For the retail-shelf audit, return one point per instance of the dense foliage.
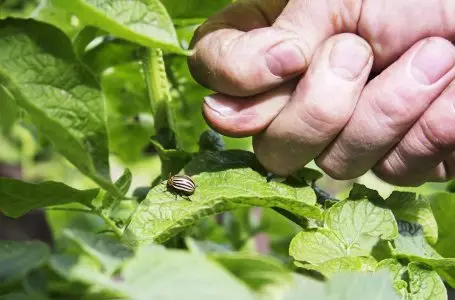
(91, 90)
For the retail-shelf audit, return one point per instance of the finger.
(320, 106)
(386, 25)
(247, 116)
(241, 58)
(430, 141)
(389, 106)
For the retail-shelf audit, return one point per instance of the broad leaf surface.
(407, 207)
(425, 284)
(258, 272)
(361, 223)
(376, 286)
(340, 265)
(194, 9)
(145, 22)
(108, 252)
(443, 206)
(38, 66)
(411, 244)
(17, 259)
(156, 273)
(317, 246)
(163, 214)
(19, 197)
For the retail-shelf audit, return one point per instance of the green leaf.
(83, 269)
(19, 197)
(258, 272)
(154, 273)
(38, 66)
(8, 110)
(304, 287)
(425, 284)
(407, 207)
(443, 206)
(377, 286)
(361, 224)
(162, 214)
(398, 273)
(412, 245)
(317, 246)
(342, 264)
(191, 9)
(145, 22)
(17, 259)
(47, 12)
(129, 118)
(107, 251)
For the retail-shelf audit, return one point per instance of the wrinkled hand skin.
(354, 85)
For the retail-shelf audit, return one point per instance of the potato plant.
(95, 94)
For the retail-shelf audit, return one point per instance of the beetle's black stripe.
(182, 184)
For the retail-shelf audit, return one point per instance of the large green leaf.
(412, 245)
(407, 207)
(83, 269)
(443, 206)
(375, 286)
(225, 181)
(397, 272)
(17, 259)
(194, 9)
(47, 12)
(107, 251)
(129, 119)
(145, 22)
(19, 197)
(425, 284)
(262, 274)
(156, 273)
(38, 66)
(361, 223)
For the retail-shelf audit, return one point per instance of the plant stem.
(118, 232)
(70, 209)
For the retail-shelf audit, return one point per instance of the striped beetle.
(181, 185)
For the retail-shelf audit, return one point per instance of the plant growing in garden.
(85, 85)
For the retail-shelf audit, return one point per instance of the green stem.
(69, 209)
(118, 232)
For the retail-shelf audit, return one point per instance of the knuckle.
(323, 120)
(437, 135)
(393, 109)
(392, 169)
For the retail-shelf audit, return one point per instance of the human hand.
(402, 123)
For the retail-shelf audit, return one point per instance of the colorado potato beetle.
(181, 184)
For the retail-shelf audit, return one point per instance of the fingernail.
(216, 103)
(285, 59)
(432, 61)
(348, 58)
